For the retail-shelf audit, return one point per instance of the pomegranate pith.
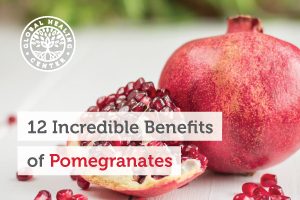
(142, 96)
(254, 80)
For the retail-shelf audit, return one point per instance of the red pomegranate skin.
(254, 80)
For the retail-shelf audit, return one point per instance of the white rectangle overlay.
(120, 126)
(99, 160)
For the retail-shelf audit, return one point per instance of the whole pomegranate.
(254, 79)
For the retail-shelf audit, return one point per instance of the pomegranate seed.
(190, 150)
(73, 177)
(138, 83)
(140, 95)
(132, 94)
(157, 103)
(83, 184)
(166, 109)
(23, 177)
(162, 92)
(139, 107)
(129, 87)
(111, 98)
(173, 143)
(248, 188)
(203, 159)
(11, 120)
(124, 109)
(157, 177)
(167, 100)
(43, 195)
(141, 179)
(109, 108)
(240, 196)
(176, 109)
(146, 100)
(101, 102)
(263, 197)
(268, 180)
(121, 99)
(279, 197)
(93, 109)
(149, 88)
(131, 102)
(65, 194)
(79, 197)
(120, 91)
(116, 143)
(260, 191)
(275, 190)
(101, 143)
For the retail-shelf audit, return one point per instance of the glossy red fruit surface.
(254, 80)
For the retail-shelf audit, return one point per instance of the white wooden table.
(105, 59)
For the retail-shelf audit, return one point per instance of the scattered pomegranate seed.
(248, 188)
(279, 197)
(74, 177)
(79, 197)
(268, 180)
(275, 190)
(65, 194)
(266, 190)
(240, 196)
(43, 195)
(23, 177)
(83, 184)
(11, 120)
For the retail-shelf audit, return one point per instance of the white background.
(105, 59)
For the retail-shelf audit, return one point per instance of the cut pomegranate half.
(141, 96)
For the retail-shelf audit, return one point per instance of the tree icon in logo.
(47, 43)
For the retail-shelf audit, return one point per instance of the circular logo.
(47, 43)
